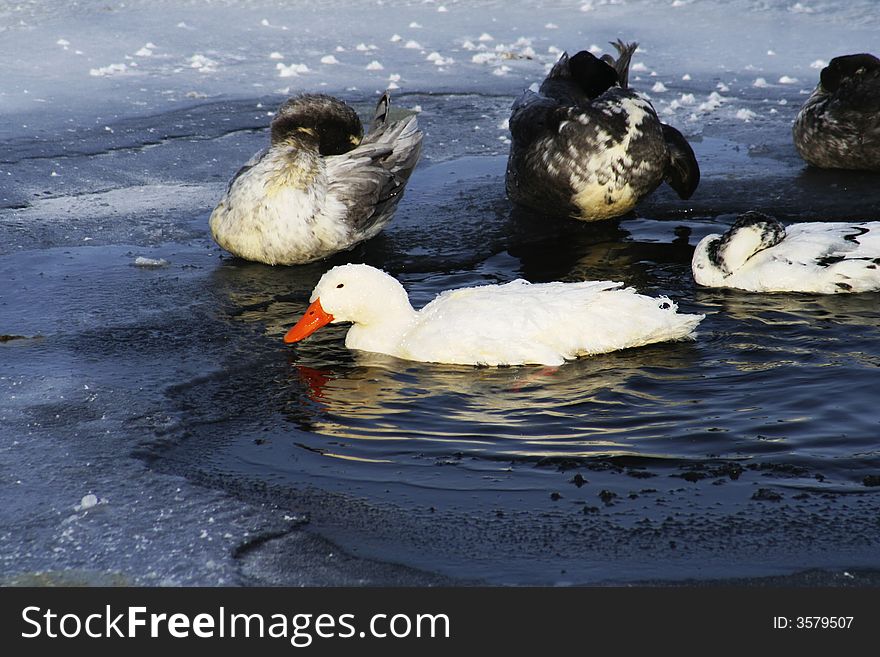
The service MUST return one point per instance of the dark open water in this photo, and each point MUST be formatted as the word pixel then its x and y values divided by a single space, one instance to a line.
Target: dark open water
pixel 750 451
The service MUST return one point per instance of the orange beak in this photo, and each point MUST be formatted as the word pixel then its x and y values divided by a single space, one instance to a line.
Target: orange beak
pixel 314 319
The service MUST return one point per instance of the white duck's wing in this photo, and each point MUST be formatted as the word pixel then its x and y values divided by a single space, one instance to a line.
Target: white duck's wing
pixel 544 323
pixel 369 180
pixel 843 255
pixel 821 257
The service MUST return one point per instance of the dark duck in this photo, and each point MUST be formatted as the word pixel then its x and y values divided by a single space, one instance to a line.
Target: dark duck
pixel 839 125
pixel 321 186
pixel 589 147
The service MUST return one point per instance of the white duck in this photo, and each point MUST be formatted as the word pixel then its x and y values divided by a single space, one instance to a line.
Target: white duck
pixel 320 187
pixel 759 254
pixel 513 324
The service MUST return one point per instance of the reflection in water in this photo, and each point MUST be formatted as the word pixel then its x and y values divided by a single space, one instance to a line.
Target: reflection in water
pixel 555 249
pixel 523 411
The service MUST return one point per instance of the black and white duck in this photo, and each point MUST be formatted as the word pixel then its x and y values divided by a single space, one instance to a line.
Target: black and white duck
pixel 587 146
pixel 759 254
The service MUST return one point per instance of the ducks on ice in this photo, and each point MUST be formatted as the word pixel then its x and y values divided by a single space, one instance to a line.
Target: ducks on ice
pixel 589 147
pixel 839 125
pixel 321 186
pixel 759 254
pixel 511 324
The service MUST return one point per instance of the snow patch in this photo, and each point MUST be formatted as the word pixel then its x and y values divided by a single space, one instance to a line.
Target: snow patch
pixel 87 502
pixel 292 71
pixel 712 103
pixel 202 64
pixel 105 71
pixel 155 263
pixel 799 8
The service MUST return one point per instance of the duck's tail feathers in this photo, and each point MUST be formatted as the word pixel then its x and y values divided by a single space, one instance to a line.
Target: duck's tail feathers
pixel 380 116
pixel 682 171
pixel 407 140
pixel 402 136
pixel 621 64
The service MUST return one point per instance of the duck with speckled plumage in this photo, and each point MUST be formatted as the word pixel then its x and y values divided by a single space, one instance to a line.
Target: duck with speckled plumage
pixel 759 254
pixel 321 186
pixel 587 146
pixel 839 125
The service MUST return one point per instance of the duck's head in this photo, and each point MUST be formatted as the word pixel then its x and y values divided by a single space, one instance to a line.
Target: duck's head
pixel 751 233
pixel 594 76
pixel 351 293
pixel 846 67
pixel 323 122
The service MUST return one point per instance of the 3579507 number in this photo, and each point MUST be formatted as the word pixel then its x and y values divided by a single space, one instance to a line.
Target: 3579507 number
pixel 823 622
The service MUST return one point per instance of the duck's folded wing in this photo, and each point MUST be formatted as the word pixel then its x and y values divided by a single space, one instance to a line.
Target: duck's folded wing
pixel 247 166
pixel 369 180
pixel 534 116
pixel 858 112
pixel 512 310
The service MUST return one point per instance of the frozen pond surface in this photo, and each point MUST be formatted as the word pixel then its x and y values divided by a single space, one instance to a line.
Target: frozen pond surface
pixel 217 455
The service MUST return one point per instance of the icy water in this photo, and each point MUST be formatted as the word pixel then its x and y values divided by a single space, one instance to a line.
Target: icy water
pixel 217 454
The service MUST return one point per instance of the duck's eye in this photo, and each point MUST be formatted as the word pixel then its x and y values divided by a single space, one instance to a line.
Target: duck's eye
pixel 340 285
